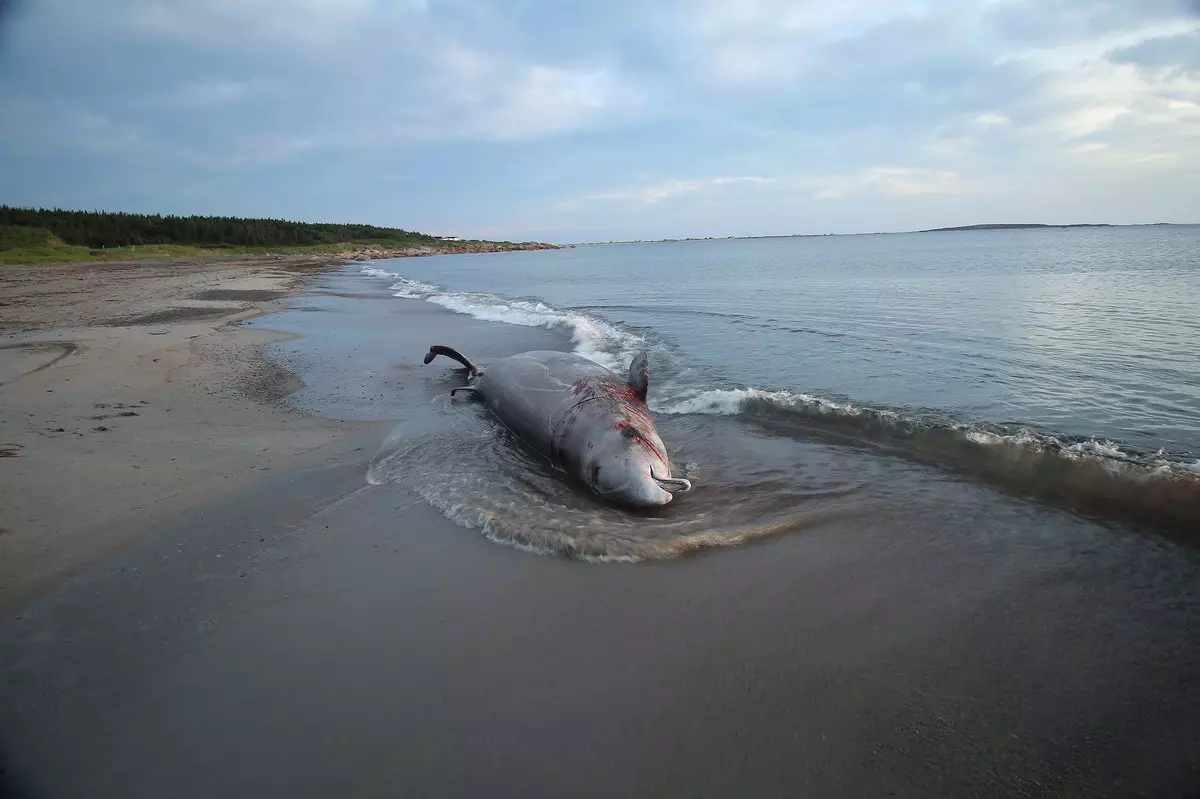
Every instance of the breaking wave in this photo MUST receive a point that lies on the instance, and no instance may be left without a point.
(1087, 474)
(594, 338)
(815, 409)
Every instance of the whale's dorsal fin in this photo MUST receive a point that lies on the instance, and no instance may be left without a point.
(639, 374)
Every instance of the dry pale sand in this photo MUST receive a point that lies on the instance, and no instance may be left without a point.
(128, 394)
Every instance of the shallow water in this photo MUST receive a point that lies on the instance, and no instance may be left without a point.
(796, 380)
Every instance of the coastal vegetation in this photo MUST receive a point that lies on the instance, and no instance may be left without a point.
(39, 235)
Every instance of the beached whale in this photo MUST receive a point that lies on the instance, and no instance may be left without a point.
(586, 419)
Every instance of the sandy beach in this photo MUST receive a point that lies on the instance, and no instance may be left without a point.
(127, 395)
(211, 599)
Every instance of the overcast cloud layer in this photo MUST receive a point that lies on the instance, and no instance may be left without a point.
(532, 119)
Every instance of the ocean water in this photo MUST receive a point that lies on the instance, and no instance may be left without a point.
(800, 379)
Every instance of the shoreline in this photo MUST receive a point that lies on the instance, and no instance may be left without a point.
(370, 253)
(179, 253)
(130, 394)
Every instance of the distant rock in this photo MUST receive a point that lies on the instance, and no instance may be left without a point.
(369, 253)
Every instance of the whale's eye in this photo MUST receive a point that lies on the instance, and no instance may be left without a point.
(595, 475)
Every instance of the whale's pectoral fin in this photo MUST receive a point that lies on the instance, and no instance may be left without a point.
(639, 374)
(453, 354)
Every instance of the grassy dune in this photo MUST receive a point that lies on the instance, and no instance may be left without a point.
(28, 245)
(21, 244)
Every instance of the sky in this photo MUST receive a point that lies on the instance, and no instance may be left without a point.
(557, 121)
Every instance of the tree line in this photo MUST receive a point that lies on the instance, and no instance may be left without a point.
(98, 229)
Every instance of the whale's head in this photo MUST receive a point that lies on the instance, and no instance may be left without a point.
(627, 464)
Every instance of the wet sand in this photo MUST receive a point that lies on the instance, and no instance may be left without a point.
(306, 634)
(127, 395)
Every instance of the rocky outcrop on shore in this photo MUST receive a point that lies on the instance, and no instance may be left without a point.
(369, 253)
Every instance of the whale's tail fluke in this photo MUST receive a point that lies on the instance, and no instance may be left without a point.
(453, 354)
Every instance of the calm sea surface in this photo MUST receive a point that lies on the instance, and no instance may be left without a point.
(1083, 334)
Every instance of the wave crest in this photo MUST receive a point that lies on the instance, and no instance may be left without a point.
(594, 338)
(1092, 475)
(753, 402)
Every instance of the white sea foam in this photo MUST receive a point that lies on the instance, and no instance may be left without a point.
(731, 402)
(739, 401)
(1098, 447)
(597, 339)
(1020, 438)
(375, 271)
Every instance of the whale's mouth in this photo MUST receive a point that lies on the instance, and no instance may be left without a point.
(675, 485)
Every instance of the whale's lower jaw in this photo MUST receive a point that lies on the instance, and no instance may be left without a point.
(639, 491)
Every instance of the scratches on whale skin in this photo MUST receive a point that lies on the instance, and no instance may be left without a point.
(627, 429)
(561, 429)
(623, 402)
(608, 388)
(544, 374)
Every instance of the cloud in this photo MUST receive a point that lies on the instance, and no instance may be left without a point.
(469, 93)
(310, 23)
(1055, 22)
(543, 100)
(1176, 55)
(890, 182)
(991, 120)
(1088, 120)
(208, 94)
(479, 114)
(777, 40)
(1141, 115)
(675, 188)
(401, 74)
(33, 125)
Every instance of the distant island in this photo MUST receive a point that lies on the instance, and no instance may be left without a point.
(995, 226)
(40, 235)
(1017, 226)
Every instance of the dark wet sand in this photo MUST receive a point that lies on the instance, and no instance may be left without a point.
(314, 636)
(317, 638)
